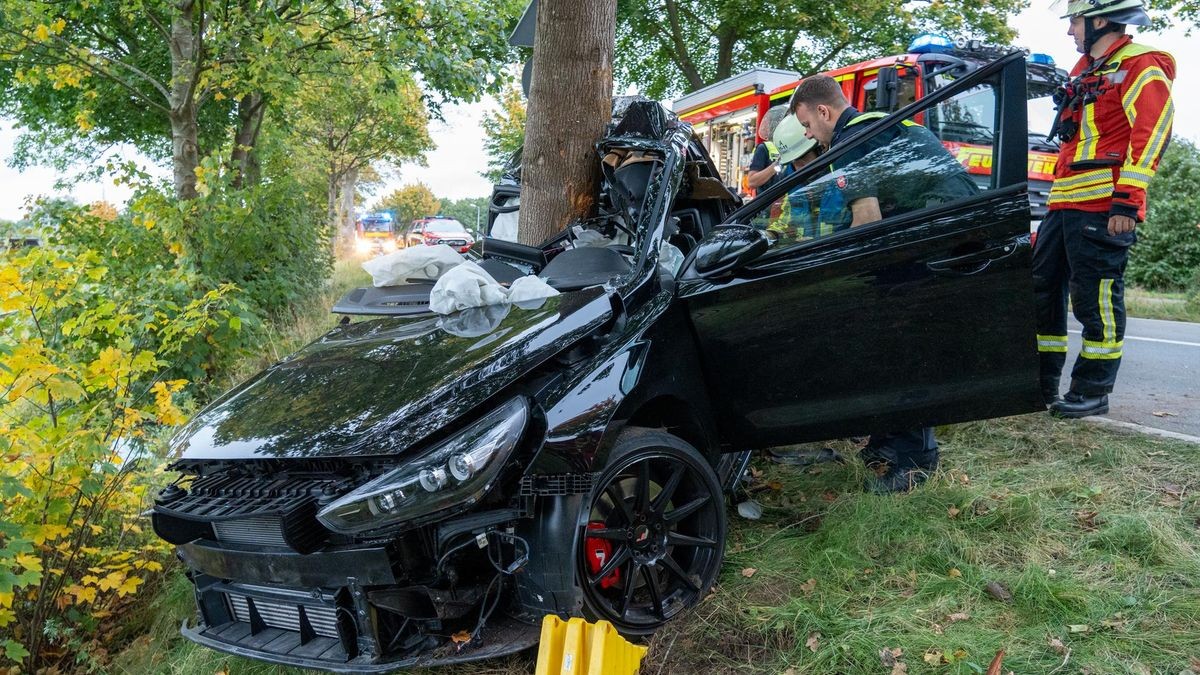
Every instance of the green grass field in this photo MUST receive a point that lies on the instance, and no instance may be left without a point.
(1145, 304)
(1094, 533)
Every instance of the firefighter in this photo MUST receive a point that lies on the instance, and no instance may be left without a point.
(1113, 123)
(764, 166)
(900, 460)
(796, 219)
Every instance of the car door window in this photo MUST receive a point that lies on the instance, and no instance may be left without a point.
(903, 168)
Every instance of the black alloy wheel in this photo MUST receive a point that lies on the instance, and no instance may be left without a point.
(655, 535)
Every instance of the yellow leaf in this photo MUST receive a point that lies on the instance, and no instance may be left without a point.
(58, 26)
(48, 532)
(82, 594)
(96, 529)
(6, 599)
(955, 572)
(129, 587)
(6, 617)
(41, 33)
(113, 580)
(91, 579)
(29, 562)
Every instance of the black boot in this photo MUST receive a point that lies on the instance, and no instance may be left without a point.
(1075, 405)
(897, 480)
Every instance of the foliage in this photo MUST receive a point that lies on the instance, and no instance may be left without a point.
(464, 211)
(345, 118)
(504, 132)
(84, 370)
(78, 75)
(1167, 255)
(668, 47)
(409, 203)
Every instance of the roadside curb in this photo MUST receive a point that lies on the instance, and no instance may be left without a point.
(1141, 428)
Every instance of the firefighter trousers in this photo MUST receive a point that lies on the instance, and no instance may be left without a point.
(1074, 255)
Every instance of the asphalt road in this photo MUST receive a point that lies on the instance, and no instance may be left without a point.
(1159, 382)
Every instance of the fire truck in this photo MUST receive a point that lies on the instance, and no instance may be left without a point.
(726, 114)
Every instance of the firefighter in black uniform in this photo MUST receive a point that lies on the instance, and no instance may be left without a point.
(900, 459)
(1114, 122)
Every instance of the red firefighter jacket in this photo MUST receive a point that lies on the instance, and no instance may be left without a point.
(1119, 108)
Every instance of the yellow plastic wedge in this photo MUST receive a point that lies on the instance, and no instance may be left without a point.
(576, 647)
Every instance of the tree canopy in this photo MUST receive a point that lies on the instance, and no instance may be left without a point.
(669, 47)
(409, 203)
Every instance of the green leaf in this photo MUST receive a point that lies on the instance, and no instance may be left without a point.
(14, 650)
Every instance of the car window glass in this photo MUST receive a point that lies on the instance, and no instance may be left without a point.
(903, 168)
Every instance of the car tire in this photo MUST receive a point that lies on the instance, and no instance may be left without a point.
(643, 558)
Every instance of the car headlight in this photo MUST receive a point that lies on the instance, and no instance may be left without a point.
(389, 245)
(362, 246)
(459, 470)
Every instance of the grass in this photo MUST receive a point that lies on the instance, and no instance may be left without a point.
(1094, 532)
(1145, 304)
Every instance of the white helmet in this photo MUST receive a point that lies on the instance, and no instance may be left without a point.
(1128, 12)
(790, 140)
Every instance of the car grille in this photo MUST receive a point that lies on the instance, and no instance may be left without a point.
(277, 510)
(261, 530)
(284, 615)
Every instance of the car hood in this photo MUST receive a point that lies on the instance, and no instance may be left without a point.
(378, 387)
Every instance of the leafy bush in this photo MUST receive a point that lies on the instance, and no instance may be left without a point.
(1167, 255)
(84, 363)
(269, 239)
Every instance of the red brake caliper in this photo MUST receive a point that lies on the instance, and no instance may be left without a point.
(598, 552)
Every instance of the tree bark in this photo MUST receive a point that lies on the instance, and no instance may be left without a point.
(185, 130)
(244, 159)
(332, 179)
(345, 215)
(570, 102)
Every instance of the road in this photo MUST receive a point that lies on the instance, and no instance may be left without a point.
(1160, 373)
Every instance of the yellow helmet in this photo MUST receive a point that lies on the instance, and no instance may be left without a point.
(789, 138)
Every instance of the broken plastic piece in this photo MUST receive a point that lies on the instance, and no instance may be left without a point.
(415, 262)
(576, 647)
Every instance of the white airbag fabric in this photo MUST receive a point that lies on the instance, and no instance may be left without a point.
(469, 285)
(414, 262)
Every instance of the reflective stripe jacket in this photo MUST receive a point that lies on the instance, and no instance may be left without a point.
(1120, 107)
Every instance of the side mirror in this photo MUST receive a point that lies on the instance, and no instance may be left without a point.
(887, 84)
(729, 247)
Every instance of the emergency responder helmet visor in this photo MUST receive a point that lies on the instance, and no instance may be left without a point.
(789, 138)
(1128, 12)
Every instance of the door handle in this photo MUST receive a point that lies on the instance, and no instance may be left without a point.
(971, 263)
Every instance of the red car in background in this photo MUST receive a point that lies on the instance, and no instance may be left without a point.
(434, 230)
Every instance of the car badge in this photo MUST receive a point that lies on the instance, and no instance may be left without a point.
(841, 182)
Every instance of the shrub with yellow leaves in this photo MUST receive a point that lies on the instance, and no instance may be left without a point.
(86, 395)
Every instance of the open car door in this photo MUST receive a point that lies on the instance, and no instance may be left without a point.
(924, 317)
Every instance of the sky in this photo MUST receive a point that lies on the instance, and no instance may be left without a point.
(452, 170)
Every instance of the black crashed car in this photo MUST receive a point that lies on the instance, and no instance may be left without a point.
(414, 489)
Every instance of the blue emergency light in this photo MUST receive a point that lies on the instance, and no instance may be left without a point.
(1041, 59)
(930, 43)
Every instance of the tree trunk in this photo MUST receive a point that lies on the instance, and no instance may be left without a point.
(345, 215)
(570, 102)
(244, 159)
(185, 131)
(332, 179)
